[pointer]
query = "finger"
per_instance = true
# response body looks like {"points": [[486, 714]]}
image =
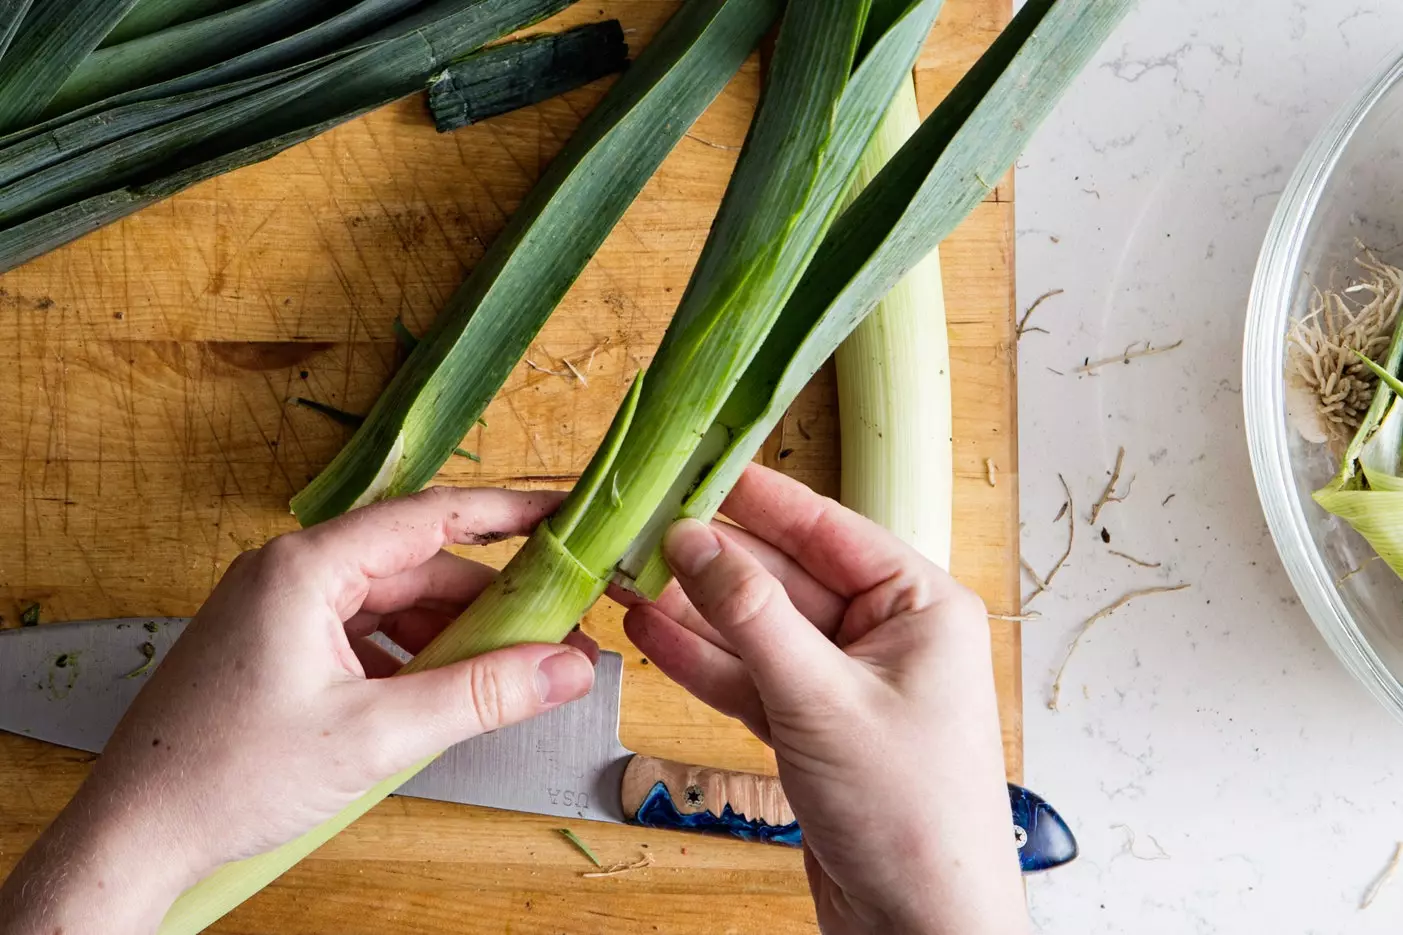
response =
{"points": [[748, 606], [414, 629], [444, 579], [849, 553], [823, 608], [393, 536], [584, 643], [713, 675], [410, 717], [377, 662]]}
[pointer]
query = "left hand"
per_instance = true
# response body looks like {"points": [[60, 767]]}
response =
{"points": [[274, 711]]}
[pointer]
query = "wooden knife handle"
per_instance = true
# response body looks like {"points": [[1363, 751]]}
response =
{"points": [[662, 794]]}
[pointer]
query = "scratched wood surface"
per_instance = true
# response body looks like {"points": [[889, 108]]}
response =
{"points": [[148, 437]]}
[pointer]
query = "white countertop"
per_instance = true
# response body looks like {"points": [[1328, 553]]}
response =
{"points": [[1213, 720]]}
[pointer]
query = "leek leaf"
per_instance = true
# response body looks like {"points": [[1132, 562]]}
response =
{"points": [[528, 71], [52, 41], [343, 32], [818, 112], [150, 16], [66, 140], [466, 356], [931, 184], [185, 48], [12, 13]]}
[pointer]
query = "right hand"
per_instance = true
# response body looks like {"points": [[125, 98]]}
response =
{"points": [[867, 669]]}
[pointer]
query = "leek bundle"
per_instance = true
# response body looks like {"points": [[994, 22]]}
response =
{"points": [[95, 128], [781, 283]]}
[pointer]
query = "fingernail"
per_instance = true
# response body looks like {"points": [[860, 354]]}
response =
{"points": [[690, 546], [563, 677]]}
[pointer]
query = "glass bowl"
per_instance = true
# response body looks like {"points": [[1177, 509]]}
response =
{"points": [[1348, 189]]}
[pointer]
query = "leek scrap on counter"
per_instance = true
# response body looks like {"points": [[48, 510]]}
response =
{"points": [[518, 74], [778, 288]]}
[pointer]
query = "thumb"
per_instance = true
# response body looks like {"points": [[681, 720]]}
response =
{"points": [[788, 656], [425, 713]]}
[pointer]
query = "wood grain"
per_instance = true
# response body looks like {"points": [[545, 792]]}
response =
{"points": [[696, 789], [148, 437]]}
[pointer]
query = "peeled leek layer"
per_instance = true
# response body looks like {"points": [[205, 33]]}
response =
{"points": [[781, 283]]}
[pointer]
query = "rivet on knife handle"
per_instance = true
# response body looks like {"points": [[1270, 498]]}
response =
{"points": [[661, 794]]}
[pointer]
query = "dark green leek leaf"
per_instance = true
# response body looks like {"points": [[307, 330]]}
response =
{"points": [[351, 83], [478, 339], [51, 43], [150, 16], [519, 74], [182, 49], [339, 33], [24, 242], [11, 15], [67, 140], [930, 186]]}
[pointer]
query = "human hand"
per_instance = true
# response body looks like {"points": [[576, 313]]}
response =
{"points": [[867, 668], [274, 710]]}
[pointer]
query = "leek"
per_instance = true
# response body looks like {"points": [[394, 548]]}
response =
{"points": [[182, 49], [50, 44], [896, 424], [12, 13], [150, 16], [778, 288], [456, 369], [519, 74]]}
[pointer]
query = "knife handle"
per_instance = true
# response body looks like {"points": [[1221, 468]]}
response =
{"points": [[663, 794]]}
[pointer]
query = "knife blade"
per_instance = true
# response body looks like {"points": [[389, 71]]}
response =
{"points": [[69, 684]]}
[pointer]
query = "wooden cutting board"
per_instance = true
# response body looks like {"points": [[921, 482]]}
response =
{"points": [[148, 437]]}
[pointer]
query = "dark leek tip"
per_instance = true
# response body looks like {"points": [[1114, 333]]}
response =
{"points": [[339, 416], [518, 74]]}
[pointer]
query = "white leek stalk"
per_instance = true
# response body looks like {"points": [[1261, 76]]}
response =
{"points": [[894, 386]]}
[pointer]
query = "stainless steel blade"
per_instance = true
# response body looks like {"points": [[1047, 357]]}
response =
{"points": [[68, 684], [567, 763]]}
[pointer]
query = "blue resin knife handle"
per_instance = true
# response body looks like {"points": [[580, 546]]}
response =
{"points": [[663, 794]]}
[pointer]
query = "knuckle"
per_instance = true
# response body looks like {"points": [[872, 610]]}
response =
{"points": [[489, 697]]}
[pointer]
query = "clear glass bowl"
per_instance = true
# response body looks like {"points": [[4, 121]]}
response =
{"points": [[1348, 188]]}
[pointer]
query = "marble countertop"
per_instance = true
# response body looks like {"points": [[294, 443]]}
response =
{"points": [[1223, 771]]}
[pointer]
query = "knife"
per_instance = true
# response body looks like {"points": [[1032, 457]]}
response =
{"points": [[70, 683]]}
